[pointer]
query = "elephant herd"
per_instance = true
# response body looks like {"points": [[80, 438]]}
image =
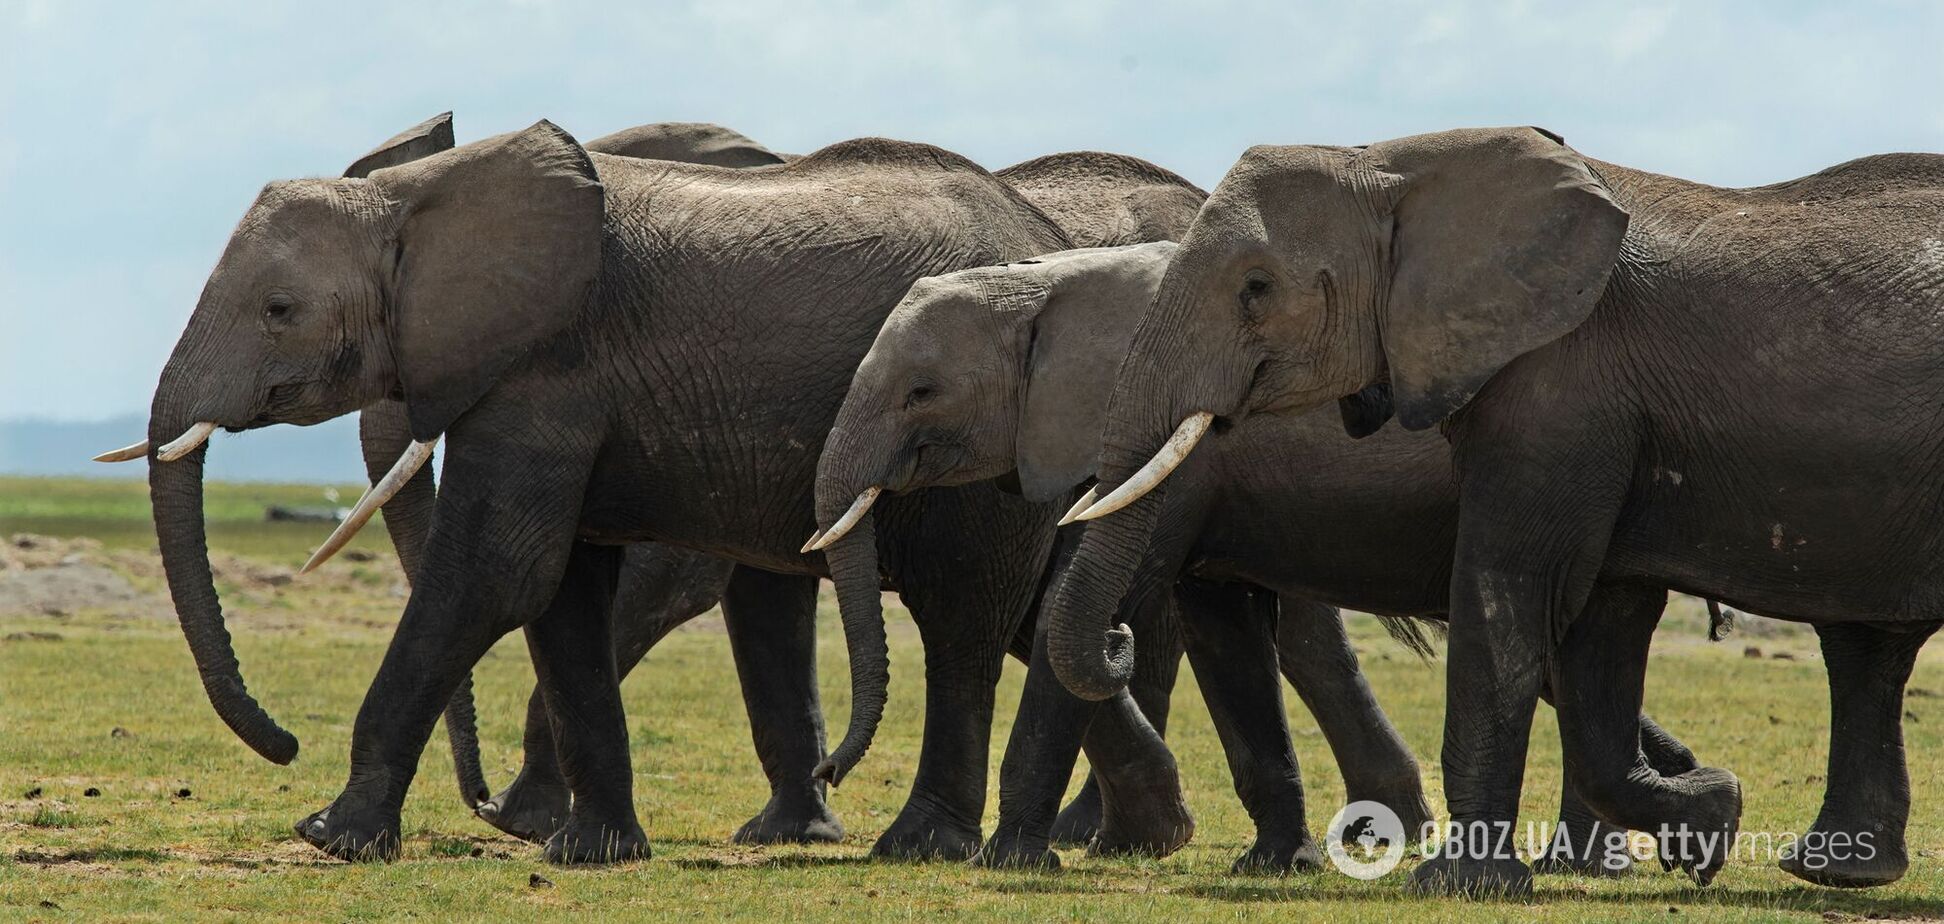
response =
{"points": [[1077, 403]]}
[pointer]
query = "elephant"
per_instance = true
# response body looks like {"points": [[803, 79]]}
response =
{"points": [[1646, 383], [769, 618], [1016, 362], [613, 350]]}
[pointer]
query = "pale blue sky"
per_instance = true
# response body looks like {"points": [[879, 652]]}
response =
{"points": [[133, 135]]}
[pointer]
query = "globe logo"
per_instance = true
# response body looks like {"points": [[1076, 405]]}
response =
{"points": [[1365, 840]]}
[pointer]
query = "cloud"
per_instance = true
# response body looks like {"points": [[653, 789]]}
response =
{"points": [[133, 135]]}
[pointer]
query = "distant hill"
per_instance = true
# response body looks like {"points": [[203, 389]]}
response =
{"points": [[327, 452]]}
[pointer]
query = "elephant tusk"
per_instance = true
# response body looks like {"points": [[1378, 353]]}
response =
{"points": [[811, 544], [401, 472], [1172, 452], [1086, 500], [126, 453], [186, 443], [858, 508]]}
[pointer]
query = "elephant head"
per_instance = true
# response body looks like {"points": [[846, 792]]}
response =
{"points": [[994, 372], [1425, 264], [425, 281]]}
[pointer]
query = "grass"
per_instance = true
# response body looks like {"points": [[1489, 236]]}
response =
{"points": [[188, 822]]}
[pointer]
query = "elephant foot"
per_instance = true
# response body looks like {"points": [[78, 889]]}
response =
{"points": [[529, 809], [1501, 877], [1143, 812], [1014, 850], [1079, 823], [586, 841], [792, 819], [1585, 848], [1845, 857], [1279, 856], [1700, 844], [352, 831], [921, 835]]}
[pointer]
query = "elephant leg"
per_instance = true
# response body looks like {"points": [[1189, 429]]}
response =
{"points": [[1143, 810], [1858, 837], [573, 654], [1581, 843], [968, 562], [1317, 658], [1051, 726], [661, 587], [1231, 636], [499, 544], [772, 622], [1597, 677], [1156, 668]]}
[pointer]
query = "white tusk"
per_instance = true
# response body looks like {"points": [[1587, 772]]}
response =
{"points": [[1176, 449], [858, 508], [1086, 500], [186, 443], [126, 453], [811, 545], [401, 472]]}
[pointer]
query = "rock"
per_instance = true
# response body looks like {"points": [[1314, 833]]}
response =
{"points": [[1751, 652], [91, 792], [120, 732], [537, 881]]}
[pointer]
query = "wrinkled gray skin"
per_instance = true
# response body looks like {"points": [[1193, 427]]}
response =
{"points": [[1647, 383], [1106, 200], [1016, 361], [770, 618], [614, 351]]}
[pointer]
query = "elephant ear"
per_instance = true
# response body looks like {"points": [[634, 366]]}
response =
{"points": [[1502, 242], [422, 140], [499, 246], [1366, 411], [1091, 303]]}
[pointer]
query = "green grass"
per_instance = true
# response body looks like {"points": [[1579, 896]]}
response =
{"points": [[116, 512], [141, 850]]}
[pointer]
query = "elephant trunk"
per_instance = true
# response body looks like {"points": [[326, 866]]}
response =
{"points": [[854, 569], [385, 433], [853, 562], [176, 499], [1090, 653]]}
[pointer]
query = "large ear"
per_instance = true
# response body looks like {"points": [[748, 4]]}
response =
{"points": [[1366, 411], [1502, 243], [1092, 302], [422, 140], [499, 246], [688, 142]]}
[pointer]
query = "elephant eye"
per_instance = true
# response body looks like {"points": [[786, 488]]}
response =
{"points": [[1254, 287], [919, 395], [275, 310]]}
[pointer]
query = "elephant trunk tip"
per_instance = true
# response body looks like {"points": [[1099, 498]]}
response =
{"points": [[1104, 673]]}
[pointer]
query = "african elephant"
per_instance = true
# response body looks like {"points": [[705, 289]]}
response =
{"points": [[769, 618], [1015, 366], [614, 350], [1647, 383]]}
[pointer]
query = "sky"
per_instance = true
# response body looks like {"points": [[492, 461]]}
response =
{"points": [[132, 136]]}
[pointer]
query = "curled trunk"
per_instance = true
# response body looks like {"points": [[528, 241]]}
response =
{"points": [[1092, 654], [176, 498], [385, 435], [854, 569]]}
